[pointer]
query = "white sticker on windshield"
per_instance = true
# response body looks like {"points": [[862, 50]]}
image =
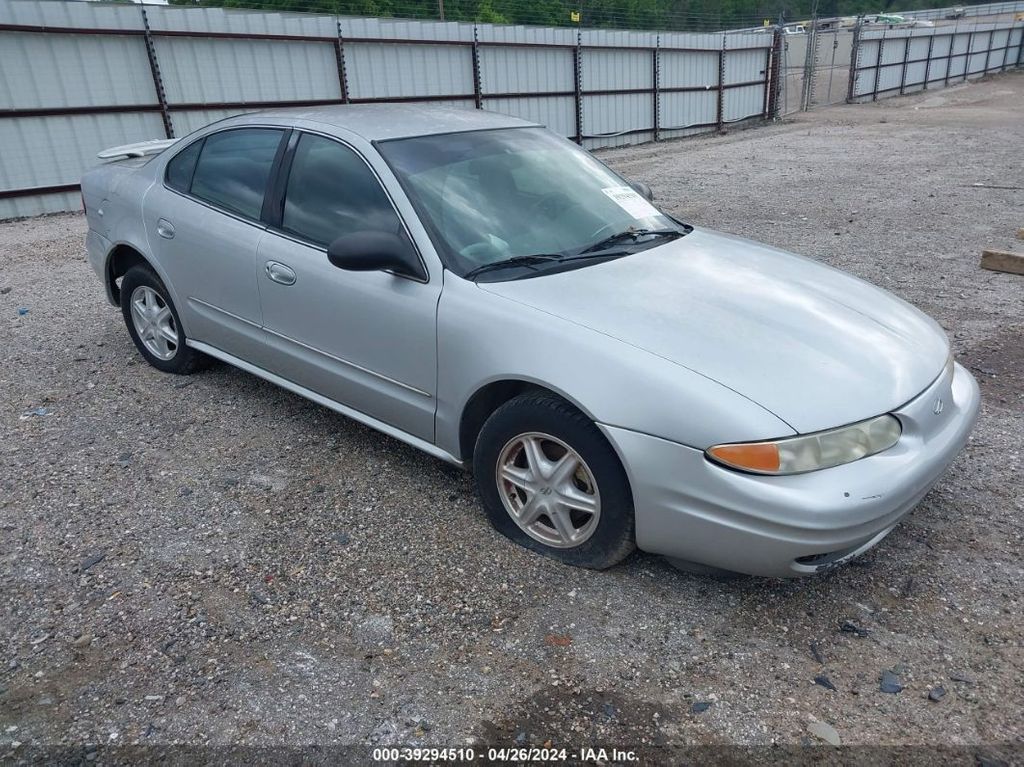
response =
{"points": [[631, 201]]}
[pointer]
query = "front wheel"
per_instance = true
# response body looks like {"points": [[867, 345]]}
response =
{"points": [[550, 481]]}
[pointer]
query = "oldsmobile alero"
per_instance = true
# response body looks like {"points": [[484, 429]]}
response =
{"points": [[494, 295]]}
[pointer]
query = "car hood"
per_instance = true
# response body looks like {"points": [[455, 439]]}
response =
{"points": [[813, 345]]}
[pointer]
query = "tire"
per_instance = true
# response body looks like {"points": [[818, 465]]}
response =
{"points": [[565, 437], [142, 284]]}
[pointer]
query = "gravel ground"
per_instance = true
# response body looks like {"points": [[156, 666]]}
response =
{"points": [[212, 560]]}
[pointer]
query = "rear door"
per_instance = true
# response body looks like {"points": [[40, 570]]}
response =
{"points": [[204, 223], [364, 339]]}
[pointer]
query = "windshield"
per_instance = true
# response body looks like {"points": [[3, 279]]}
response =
{"points": [[515, 193]]}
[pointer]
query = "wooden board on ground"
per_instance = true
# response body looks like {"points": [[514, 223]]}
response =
{"points": [[1002, 261]]}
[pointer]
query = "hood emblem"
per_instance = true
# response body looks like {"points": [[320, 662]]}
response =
{"points": [[939, 405]]}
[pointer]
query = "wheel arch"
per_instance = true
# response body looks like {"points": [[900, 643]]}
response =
{"points": [[120, 259], [489, 396]]}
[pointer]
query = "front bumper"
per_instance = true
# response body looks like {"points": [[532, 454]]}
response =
{"points": [[691, 509]]}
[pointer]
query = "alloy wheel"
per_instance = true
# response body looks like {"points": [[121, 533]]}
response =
{"points": [[548, 490], [154, 323]]}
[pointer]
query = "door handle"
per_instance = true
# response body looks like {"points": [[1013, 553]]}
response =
{"points": [[280, 273], [165, 228]]}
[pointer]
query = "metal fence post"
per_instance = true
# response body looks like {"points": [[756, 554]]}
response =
{"points": [[1020, 48], [949, 58], [339, 54], [928, 61], [154, 69], [478, 98], [878, 66], [832, 65], [577, 74], [772, 84], [656, 63], [906, 58], [851, 92], [810, 62], [988, 53], [967, 62], [720, 118]]}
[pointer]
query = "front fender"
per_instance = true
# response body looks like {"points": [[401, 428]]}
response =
{"points": [[610, 381]]}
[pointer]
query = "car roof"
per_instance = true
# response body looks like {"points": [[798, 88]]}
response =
{"points": [[379, 122]]}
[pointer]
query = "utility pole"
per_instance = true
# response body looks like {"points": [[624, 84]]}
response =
{"points": [[440, 9]]}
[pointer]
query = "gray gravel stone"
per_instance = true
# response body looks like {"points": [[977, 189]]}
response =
{"points": [[91, 561], [825, 732], [823, 681], [889, 683]]}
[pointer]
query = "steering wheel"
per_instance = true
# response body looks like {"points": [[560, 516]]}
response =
{"points": [[556, 203], [552, 204]]}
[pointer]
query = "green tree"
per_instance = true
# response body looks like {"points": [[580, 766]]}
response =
{"points": [[686, 15]]}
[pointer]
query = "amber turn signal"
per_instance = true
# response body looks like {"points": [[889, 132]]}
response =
{"points": [[755, 456]]}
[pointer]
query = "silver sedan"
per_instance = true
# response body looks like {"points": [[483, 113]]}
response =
{"points": [[492, 294]]}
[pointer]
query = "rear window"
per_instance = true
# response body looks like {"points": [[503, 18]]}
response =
{"points": [[180, 168], [234, 167]]}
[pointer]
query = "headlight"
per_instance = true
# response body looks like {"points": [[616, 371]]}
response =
{"points": [[810, 452]]}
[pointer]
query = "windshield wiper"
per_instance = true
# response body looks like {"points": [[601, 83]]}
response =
{"points": [[602, 249], [630, 234], [526, 260]]}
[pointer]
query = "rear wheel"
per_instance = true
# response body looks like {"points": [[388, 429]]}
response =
{"points": [[550, 481], [154, 325]]}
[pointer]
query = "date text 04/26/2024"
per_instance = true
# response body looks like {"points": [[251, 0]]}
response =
{"points": [[511, 754]]}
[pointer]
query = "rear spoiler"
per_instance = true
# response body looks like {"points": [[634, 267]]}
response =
{"points": [[141, 149]]}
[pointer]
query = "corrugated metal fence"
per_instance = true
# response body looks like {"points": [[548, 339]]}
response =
{"points": [[890, 62], [76, 77]]}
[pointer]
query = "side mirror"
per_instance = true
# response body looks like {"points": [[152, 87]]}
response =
{"points": [[643, 189], [375, 251]]}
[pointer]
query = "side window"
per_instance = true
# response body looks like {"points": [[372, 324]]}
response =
{"points": [[182, 165], [234, 167], [331, 192]]}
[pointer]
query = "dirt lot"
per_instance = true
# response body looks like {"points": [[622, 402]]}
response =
{"points": [[212, 560]]}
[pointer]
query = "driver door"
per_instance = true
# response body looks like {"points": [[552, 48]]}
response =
{"points": [[364, 339]]}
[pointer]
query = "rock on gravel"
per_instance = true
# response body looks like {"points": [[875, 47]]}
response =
{"points": [[890, 683], [825, 732]]}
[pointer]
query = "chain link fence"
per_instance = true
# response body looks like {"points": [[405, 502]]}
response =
{"points": [[828, 64]]}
